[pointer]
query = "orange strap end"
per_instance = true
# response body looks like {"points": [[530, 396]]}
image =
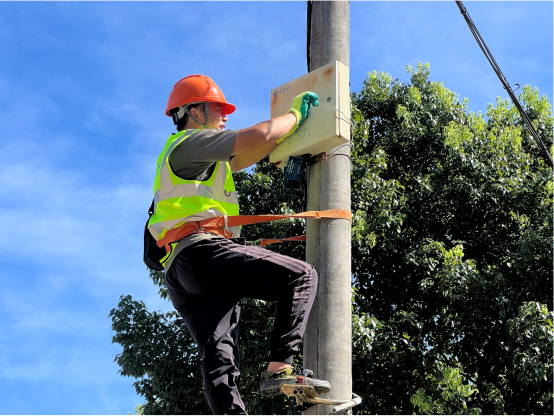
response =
{"points": [[267, 241]]}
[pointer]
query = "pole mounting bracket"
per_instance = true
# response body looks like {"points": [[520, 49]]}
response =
{"points": [[320, 157]]}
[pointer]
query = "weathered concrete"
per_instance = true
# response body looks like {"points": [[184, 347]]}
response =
{"points": [[328, 338]]}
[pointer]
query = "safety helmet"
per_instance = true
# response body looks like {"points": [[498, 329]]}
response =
{"points": [[196, 89]]}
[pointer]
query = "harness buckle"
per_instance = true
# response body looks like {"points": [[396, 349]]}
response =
{"points": [[226, 224]]}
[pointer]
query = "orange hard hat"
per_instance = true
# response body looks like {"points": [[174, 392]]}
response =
{"points": [[194, 89]]}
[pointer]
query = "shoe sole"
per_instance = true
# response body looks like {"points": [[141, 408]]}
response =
{"points": [[272, 388]]}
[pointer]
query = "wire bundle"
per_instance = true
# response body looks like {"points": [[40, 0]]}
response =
{"points": [[504, 81]]}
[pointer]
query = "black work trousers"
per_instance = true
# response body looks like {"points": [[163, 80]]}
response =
{"points": [[206, 283]]}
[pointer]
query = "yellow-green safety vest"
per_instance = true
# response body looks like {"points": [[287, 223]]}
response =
{"points": [[177, 200]]}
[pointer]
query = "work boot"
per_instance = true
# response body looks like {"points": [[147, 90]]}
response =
{"points": [[271, 383]]}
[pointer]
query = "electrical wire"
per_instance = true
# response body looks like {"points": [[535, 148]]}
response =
{"points": [[334, 152], [336, 109], [504, 81]]}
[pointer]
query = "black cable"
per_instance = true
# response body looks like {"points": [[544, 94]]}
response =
{"points": [[309, 33], [504, 81]]}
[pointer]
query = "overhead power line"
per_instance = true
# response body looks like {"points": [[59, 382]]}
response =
{"points": [[504, 81]]}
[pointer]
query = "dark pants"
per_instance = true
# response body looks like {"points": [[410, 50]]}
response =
{"points": [[206, 282]]}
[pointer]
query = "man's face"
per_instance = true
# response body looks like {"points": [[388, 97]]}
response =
{"points": [[216, 117]]}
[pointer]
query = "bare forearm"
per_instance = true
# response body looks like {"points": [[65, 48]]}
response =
{"points": [[262, 134], [248, 158]]}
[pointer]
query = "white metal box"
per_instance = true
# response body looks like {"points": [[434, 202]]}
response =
{"points": [[327, 125]]}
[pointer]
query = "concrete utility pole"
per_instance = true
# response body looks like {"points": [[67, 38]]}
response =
{"points": [[328, 337]]}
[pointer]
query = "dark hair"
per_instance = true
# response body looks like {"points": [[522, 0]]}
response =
{"points": [[182, 122]]}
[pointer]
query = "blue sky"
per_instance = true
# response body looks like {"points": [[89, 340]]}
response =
{"points": [[83, 87]]}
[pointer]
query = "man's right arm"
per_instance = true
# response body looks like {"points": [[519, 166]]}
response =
{"points": [[262, 134], [251, 140]]}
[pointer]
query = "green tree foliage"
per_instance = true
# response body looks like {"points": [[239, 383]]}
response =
{"points": [[451, 261], [452, 250], [153, 343]]}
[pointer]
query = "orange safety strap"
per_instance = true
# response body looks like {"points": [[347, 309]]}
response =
{"points": [[220, 225], [266, 241]]}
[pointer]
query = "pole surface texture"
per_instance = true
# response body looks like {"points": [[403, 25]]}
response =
{"points": [[328, 337]]}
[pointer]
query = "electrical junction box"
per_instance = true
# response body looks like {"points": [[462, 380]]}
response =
{"points": [[327, 125]]}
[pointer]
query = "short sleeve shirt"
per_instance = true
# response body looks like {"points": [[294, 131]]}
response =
{"points": [[195, 159]]}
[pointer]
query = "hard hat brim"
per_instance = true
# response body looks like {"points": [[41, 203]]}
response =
{"points": [[228, 108]]}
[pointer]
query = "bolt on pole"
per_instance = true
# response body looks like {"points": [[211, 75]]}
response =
{"points": [[328, 337]]}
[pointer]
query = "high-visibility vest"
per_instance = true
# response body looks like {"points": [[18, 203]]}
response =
{"points": [[178, 201]]}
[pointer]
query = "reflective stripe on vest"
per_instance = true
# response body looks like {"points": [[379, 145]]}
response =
{"points": [[177, 201]]}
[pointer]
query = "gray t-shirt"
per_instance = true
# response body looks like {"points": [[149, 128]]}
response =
{"points": [[195, 159]]}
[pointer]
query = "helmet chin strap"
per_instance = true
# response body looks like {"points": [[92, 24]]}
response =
{"points": [[206, 108]]}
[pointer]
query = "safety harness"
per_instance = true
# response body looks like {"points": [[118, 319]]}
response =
{"points": [[220, 225]]}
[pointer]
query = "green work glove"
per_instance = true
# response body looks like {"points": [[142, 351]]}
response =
{"points": [[300, 107]]}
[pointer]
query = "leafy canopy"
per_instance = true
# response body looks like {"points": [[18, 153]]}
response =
{"points": [[452, 246]]}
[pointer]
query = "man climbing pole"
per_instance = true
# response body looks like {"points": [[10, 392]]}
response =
{"points": [[207, 272]]}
